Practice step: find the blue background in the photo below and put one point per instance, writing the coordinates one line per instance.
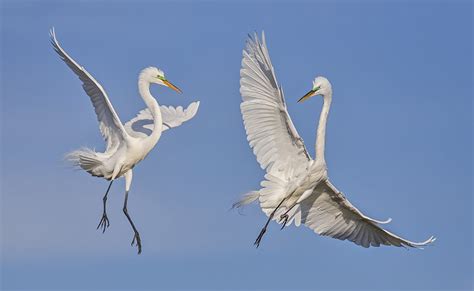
(399, 143)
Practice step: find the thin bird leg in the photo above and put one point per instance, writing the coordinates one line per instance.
(104, 222)
(284, 217)
(264, 229)
(136, 237)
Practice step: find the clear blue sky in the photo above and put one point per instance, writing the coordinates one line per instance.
(399, 143)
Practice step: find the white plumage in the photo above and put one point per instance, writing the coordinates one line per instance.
(128, 144)
(142, 125)
(296, 187)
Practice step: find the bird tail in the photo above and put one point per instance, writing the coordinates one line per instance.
(246, 199)
(87, 159)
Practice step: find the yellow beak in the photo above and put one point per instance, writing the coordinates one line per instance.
(170, 85)
(307, 95)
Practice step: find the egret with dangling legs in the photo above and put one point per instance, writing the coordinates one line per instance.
(126, 144)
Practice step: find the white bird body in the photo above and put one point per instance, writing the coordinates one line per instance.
(126, 156)
(296, 187)
(138, 142)
(126, 144)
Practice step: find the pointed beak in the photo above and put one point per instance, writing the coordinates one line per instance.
(170, 85)
(307, 95)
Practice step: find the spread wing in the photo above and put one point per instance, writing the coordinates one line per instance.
(142, 125)
(269, 128)
(109, 123)
(328, 212)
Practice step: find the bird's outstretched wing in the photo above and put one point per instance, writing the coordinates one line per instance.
(269, 128)
(328, 212)
(109, 123)
(142, 125)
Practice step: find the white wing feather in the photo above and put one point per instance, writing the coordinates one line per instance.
(270, 131)
(109, 123)
(142, 125)
(327, 212)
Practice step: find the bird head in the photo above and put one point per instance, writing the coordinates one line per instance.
(155, 75)
(321, 86)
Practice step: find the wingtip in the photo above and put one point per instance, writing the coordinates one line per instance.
(427, 242)
(385, 221)
(255, 39)
(52, 36)
(432, 239)
(193, 105)
(52, 33)
(197, 105)
(193, 109)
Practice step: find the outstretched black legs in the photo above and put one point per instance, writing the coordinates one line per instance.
(104, 221)
(136, 238)
(264, 229)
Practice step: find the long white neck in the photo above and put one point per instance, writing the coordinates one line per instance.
(154, 107)
(321, 133)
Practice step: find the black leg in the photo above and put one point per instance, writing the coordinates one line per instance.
(284, 220)
(136, 237)
(284, 217)
(104, 222)
(264, 229)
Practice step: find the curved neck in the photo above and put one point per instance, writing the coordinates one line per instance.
(153, 106)
(321, 133)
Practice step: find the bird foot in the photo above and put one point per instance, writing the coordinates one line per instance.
(104, 222)
(137, 241)
(260, 236)
(284, 220)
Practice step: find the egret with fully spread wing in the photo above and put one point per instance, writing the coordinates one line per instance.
(296, 187)
(129, 143)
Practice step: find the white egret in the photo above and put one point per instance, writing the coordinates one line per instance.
(296, 187)
(129, 143)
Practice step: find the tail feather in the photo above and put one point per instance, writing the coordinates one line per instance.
(246, 199)
(85, 158)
